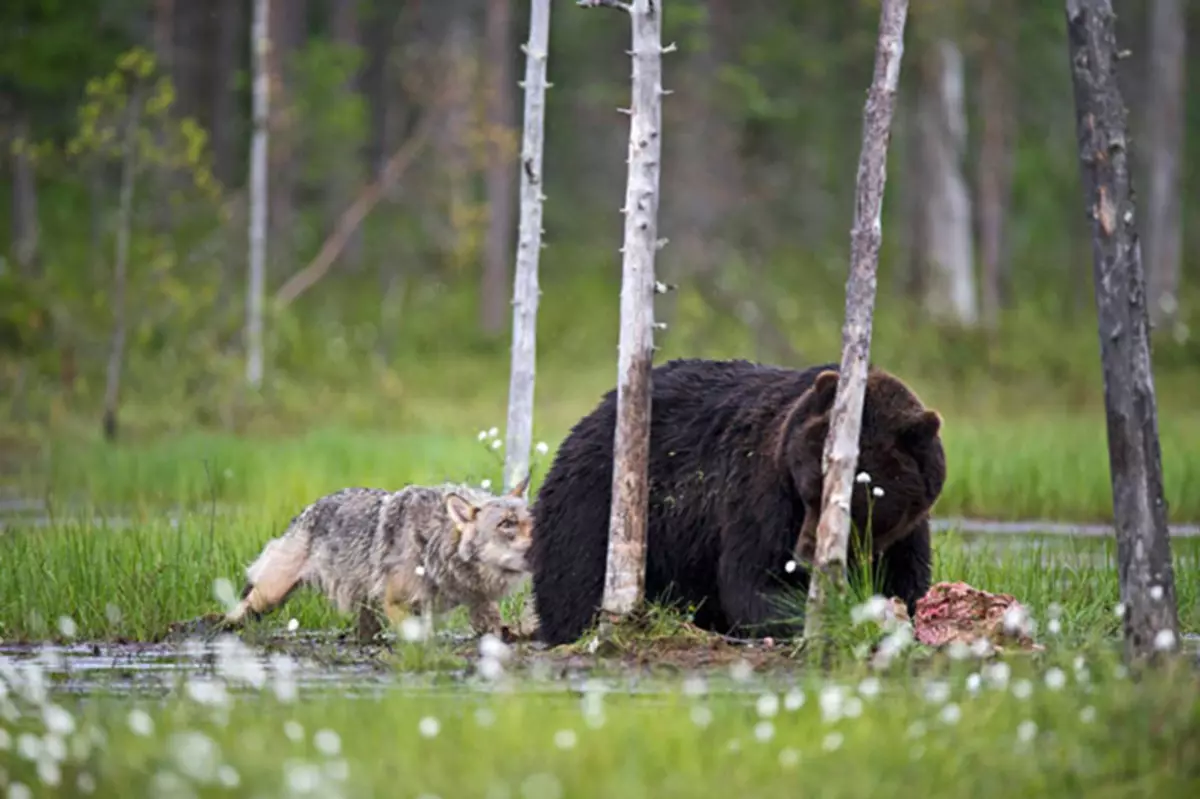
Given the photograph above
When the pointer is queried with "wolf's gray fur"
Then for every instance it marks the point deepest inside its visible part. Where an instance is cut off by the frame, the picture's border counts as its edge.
(424, 548)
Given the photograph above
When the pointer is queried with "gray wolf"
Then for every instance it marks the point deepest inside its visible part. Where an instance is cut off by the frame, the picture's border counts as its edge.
(423, 550)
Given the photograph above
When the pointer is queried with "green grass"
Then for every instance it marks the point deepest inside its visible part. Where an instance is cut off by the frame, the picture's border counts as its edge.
(1054, 727)
(1027, 467)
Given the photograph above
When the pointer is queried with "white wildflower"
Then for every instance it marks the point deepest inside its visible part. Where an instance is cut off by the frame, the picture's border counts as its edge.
(767, 705)
(1156, 592)
(951, 714)
(793, 700)
(789, 758)
(974, 682)
(790, 566)
(862, 478)
(565, 739)
(694, 685)
(1054, 626)
(485, 717)
(493, 432)
(302, 777)
(741, 670)
(497, 444)
(224, 593)
(764, 731)
(429, 727)
(58, 720)
(1026, 731)
(937, 692)
(877, 492)
(293, 730)
(19, 790)
(195, 755)
(874, 609)
(67, 626)
(870, 687)
(490, 646)
(832, 700)
(833, 742)
(1022, 689)
(1056, 678)
(701, 716)
(328, 742)
(542, 448)
(1119, 610)
(1164, 640)
(49, 773)
(482, 435)
(293, 625)
(228, 777)
(85, 783)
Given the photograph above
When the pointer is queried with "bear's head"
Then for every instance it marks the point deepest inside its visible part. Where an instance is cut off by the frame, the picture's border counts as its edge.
(900, 451)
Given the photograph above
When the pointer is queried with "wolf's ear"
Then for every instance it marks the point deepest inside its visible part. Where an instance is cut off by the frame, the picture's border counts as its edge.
(462, 512)
(518, 491)
(922, 428)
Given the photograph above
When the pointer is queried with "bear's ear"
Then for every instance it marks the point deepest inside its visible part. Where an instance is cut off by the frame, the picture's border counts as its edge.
(923, 428)
(824, 390)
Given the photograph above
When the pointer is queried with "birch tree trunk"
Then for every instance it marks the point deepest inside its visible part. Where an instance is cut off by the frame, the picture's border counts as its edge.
(950, 271)
(1144, 566)
(625, 577)
(519, 427)
(25, 231)
(1164, 148)
(116, 351)
(841, 444)
(995, 157)
(258, 197)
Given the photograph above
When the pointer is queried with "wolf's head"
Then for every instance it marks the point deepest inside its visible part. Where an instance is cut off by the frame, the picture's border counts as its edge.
(494, 532)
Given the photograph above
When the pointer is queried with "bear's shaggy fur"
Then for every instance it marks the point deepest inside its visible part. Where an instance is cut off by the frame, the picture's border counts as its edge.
(735, 485)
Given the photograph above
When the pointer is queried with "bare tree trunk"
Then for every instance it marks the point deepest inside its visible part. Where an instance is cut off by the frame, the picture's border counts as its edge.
(625, 577)
(341, 189)
(116, 352)
(1144, 566)
(950, 288)
(841, 444)
(26, 236)
(519, 426)
(497, 248)
(258, 194)
(283, 16)
(995, 159)
(224, 100)
(1164, 150)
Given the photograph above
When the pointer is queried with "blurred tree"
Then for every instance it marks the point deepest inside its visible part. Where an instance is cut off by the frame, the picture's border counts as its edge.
(1164, 113)
(947, 229)
(496, 289)
(995, 165)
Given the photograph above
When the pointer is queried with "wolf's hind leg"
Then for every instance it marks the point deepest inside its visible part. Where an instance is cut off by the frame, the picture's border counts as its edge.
(272, 577)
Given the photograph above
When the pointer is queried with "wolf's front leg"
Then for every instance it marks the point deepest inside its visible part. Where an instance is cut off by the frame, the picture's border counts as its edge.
(485, 618)
(368, 623)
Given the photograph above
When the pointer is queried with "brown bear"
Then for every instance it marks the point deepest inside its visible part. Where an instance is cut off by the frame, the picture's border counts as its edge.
(735, 490)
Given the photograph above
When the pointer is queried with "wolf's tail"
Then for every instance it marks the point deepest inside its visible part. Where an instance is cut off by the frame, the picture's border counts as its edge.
(277, 571)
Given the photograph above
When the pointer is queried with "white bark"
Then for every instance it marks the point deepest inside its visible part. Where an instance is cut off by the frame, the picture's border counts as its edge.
(950, 290)
(624, 583)
(258, 198)
(841, 445)
(519, 427)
